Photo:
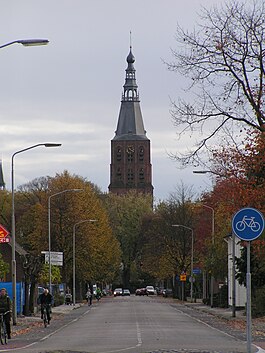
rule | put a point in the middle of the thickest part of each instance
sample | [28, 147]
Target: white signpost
[56, 257]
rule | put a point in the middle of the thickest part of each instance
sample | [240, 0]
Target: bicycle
[248, 223]
[3, 332]
[45, 308]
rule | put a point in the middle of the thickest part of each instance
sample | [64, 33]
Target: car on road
[150, 290]
[126, 292]
[141, 291]
[167, 293]
[117, 292]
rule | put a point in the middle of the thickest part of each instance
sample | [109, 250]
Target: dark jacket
[5, 303]
[45, 299]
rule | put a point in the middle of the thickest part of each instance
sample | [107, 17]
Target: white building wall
[240, 290]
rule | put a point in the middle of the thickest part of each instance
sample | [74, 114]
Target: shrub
[258, 302]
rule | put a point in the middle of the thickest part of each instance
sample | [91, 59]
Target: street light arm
[222, 175]
[37, 145]
[181, 225]
[85, 220]
[62, 192]
[33, 42]
[27, 42]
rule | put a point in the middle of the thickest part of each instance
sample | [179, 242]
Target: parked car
[126, 292]
[167, 293]
[141, 291]
[159, 290]
[150, 290]
[117, 292]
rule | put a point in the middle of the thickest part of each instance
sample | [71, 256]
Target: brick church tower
[130, 167]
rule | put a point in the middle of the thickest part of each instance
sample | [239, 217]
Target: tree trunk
[126, 277]
[26, 307]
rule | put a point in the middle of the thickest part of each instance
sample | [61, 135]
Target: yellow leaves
[97, 249]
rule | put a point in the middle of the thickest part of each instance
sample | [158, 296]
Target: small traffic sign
[183, 277]
[3, 232]
[248, 224]
[197, 271]
[191, 279]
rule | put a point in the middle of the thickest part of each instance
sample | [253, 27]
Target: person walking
[89, 297]
[5, 307]
[46, 300]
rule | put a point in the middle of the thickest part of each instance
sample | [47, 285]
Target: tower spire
[130, 120]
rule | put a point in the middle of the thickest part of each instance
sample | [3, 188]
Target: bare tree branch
[224, 60]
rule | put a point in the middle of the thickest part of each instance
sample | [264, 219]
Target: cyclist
[46, 300]
[98, 293]
[5, 305]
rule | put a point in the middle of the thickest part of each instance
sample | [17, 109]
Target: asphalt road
[133, 324]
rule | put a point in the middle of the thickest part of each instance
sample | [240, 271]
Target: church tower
[130, 167]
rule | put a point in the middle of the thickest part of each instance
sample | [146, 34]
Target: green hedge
[258, 303]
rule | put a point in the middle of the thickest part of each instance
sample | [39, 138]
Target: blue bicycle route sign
[248, 224]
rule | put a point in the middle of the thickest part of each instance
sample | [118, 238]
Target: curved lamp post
[49, 230]
[27, 42]
[212, 277]
[14, 279]
[191, 265]
[74, 227]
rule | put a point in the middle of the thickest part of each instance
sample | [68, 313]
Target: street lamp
[74, 227]
[49, 230]
[201, 171]
[14, 278]
[191, 265]
[212, 277]
[27, 42]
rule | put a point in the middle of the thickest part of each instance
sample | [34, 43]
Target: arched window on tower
[118, 174]
[118, 154]
[141, 174]
[141, 154]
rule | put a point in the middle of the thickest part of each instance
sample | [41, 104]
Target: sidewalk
[239, 322]
[225, 313]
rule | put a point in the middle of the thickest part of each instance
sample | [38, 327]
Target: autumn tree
[5, 208]
[224, 59]
[168, 247]
[94, 260]
[4, 268]
[242, 170]
[239, 184]
[126, 213]
[152, 249]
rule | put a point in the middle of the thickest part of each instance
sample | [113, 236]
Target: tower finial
[130, 39]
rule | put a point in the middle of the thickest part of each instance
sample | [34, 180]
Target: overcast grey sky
[69, 91]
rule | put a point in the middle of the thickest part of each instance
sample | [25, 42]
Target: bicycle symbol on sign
[248, 222]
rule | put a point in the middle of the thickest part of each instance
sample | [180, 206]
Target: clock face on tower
[130, 149]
